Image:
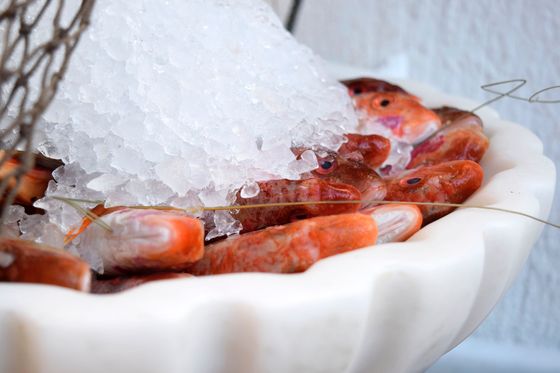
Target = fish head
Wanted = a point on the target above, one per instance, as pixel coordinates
(399, 115)
(450, 115)
(365, 85)
(326, 190)
(451, 182)
(462, 139)
(372, 150)
(291, 200)
(333, 167)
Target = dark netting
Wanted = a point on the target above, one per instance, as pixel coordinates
(32, 63)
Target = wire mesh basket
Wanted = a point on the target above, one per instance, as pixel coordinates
(32, 63)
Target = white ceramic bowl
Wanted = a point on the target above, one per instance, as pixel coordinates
(389, 308)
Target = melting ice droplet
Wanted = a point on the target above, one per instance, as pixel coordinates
(250, 190)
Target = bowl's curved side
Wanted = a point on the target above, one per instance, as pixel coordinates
(394, 307)
(489, 249)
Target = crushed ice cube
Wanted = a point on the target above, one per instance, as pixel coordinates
(307, 162)
(106, 182)
(250, 189)
(398, 159)
(38, 228)
(309, 157)
(11, 222)
(87, 248)
(224, 224)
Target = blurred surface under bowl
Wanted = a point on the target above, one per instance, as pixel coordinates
(389, 308)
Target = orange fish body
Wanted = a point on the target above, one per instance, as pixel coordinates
(308, 190)
(33, 183)
(371, 150)
(450, 115)
(451, 182)
(288, 248)
(144, 240)
(461, 138)
(26, 261)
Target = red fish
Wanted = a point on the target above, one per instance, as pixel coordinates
(451, 182)
(308, 190)
(449, 115)
(34, 183)
(360, 86)
(335, 168)
(288, 248)
(26, 261)
(461, 139)
(398, 115)
(371, 150)
(144, 240)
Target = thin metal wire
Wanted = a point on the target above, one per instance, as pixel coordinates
(303, 203)
(533, 99)
(486, 87)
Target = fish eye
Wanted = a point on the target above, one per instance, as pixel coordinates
(357, 91)
(326, 166)
(409, 182)
(385, 102)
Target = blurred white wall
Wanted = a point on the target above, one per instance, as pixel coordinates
(458, 46)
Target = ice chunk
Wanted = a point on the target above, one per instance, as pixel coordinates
(306, 162)
(224, 224)
(38, 228)
(181, 100)
(250, 189)
(106, 182)
(309, 157)
(172, 172)
(88, 251)
(10, 227)
(398, 159)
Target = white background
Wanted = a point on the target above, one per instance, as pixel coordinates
(457, 46)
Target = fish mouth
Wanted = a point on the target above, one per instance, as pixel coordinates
(334, 192)
(375, 191)
(391, 122)
(298, 215)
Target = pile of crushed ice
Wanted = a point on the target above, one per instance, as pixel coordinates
(182, 103)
